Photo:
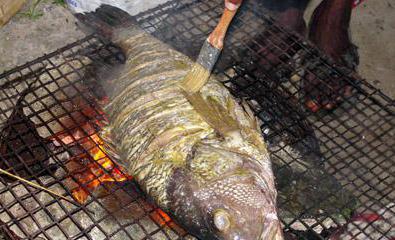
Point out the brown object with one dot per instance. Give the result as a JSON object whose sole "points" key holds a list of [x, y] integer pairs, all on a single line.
{"points": [[329, 28], [329, 31], [292, 19], [216, 38], [198, 76], [9, 8]]}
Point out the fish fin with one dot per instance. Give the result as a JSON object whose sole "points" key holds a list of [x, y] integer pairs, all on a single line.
{"points": [[213, 113], [106, 20], [109, 146], [248, 115], [208, 165], [254, 121], [251, 129]]}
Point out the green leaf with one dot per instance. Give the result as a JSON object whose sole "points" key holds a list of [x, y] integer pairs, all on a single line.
{"points": [[32, 12], [59, 2]]}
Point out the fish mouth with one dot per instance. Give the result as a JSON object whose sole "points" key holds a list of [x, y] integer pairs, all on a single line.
{"points": [[272, 228]]}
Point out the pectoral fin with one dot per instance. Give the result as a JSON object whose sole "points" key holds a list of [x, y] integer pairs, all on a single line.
{"points": [[213, 113]]}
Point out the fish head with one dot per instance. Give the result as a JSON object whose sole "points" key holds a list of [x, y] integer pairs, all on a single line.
{"points": [[236, 208], [231, 208]]}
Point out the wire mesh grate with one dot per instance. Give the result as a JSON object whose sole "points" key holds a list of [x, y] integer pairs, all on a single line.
{"points": [[275, 71], [333, 169], [49, 106]]}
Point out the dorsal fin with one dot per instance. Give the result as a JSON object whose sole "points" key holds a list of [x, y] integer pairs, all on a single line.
{"points": [[107, 20], [213, 113]]}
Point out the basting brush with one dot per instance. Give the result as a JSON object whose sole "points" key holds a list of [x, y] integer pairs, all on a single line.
{"points": [[209, 53], [201, 69]]}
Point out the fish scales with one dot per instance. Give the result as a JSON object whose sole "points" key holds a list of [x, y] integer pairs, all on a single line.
{"points": [[165, 113], [200, 157]]}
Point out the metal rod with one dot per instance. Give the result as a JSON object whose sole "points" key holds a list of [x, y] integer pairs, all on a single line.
{"points": [[38, 186]]}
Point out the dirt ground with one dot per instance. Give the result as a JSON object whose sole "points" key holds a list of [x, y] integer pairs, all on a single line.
{"points": [[373, 31]]}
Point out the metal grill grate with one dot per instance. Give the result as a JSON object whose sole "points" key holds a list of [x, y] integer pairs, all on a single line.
{"points": [[330, 167], [352, 170], [59, 116]]}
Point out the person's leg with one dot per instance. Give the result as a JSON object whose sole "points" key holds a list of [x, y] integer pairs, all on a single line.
{"points": [[329, 31], [329, 28], [292, 19], [287, 14]]}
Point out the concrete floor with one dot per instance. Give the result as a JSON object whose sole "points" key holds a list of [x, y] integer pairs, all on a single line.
{"points": [[373, 31], [23, 39]]}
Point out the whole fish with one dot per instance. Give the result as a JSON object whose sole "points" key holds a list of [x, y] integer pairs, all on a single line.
{"points": [[254, 71], [200, 157]]}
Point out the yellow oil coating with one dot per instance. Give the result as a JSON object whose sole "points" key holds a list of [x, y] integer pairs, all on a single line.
{"points": [[155, 125], [195, 79]]}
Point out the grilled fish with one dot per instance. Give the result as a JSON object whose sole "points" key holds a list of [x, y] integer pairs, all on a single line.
{"points": [[200, 157]]}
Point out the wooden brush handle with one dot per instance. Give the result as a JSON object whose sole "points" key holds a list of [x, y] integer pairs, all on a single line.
{"points": [[216, 38]]}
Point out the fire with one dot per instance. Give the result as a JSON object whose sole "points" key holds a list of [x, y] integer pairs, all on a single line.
{"points": [[99, 170], [102, 169], [93, 167], [162, 219]]}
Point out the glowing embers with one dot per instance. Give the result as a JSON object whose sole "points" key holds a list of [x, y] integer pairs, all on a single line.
{"points": [[162, 219], [102, 169], [92, 172], [90, 166]]}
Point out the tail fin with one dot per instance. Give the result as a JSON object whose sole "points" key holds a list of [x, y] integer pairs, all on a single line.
{"points": [[106, 19]]}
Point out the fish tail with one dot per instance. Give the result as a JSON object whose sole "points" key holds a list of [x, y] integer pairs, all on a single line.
{"points": [[107, 20]]}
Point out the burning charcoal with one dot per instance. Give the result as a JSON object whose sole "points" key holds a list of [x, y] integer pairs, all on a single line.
{"points": [[22, 150]]}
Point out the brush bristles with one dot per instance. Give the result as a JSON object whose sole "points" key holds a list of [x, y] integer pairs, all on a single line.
{"points": [[196, 78]]}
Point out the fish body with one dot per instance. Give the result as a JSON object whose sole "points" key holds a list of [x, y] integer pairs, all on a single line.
{"points": [[200, 157]]}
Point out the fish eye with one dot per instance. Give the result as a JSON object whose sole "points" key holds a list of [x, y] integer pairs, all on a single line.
{"points": [[221, 220]]}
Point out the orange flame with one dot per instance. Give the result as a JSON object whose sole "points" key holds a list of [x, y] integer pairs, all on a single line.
{"points": [[81, 130], [102, 169], [161, 217], [88, 175]]}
